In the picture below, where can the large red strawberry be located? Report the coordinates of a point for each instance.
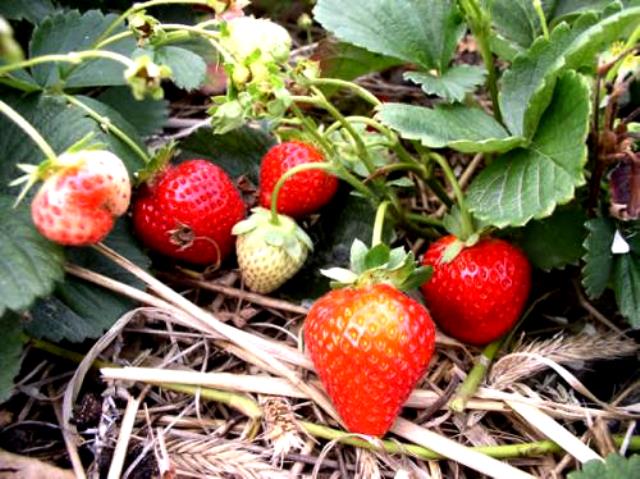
(187, 212)
(78, 203)
(370, 343)
(305, 192)
(479, 295)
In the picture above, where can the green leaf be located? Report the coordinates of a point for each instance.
(453, 84)
(147, 116)
(10, 352)
(188, 70)
(528, 85)
(529, 182)
(598, 259)
(33, 11)
(61, 125)
(30, 264)
(239, 151)
(555, 242)
(615, 467)
(70, 31)
(455, 126)
(570, 8)
(425, 33)
(626, 286)
(80, 310)
(517, 20)
(346, 61)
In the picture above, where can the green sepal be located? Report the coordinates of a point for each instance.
(285, 233)
(159, 161)
(379, 264)
(456, 247)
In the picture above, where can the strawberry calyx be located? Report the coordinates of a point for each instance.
(379, 264)
(285, 233)
(159, 162)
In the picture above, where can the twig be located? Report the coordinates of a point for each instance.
(126, 428)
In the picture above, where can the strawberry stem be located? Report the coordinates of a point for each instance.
(71, 57)
(142, 6)
(29, 130)
(537, 6)
(328, 167)
(106, 123)
(363, 93)
(471, 383)
(467, 221)
(378, 225)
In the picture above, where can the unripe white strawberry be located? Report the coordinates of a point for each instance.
(270, 253)
(246, 35)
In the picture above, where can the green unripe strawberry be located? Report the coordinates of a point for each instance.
(270, 253)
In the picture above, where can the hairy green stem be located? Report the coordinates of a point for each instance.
(537, 6)
(328, 167)
(311, 130)
(479, 21)
(363, 93)
(29, 130)
(467, 222)
(142, 6)
(424, 219)
(471, 383)
(71, 57)
(108, 125)
(378, 224)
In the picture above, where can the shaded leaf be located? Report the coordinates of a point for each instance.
(615, 467)
(147, 116)
(239, 151)
(569, 8)
(33, 11)
(10, 352)
(333, 236)
(188, 70)
(453, 84)
(529, 182)
(555, 242)
(626, 286)
(62, 126)
(455, 126)
(70, 31)
(598, 259)
(527, 86)
(517, 20)
(346, 61)
(30, 264)
(80, 310)
(425, 33)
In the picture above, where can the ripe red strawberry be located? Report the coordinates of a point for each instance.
(480, 294)
(305, 192)
(187, 212)
(370, 345)
(78, 203)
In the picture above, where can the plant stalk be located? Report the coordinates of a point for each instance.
(71, 57)
(108, 125)
(328, 167)
(471, 383)
(378, 225)
(29, 130)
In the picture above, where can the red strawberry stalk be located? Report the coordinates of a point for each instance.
(369, 342)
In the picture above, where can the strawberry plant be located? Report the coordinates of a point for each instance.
(503, 153)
